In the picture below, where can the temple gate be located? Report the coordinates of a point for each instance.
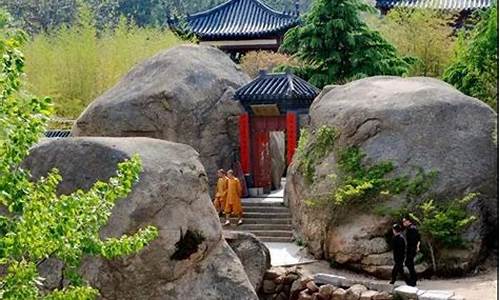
(273, 102)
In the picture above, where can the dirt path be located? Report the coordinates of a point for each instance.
(482, 286)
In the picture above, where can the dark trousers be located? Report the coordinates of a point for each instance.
(398, 269)
(410, 264)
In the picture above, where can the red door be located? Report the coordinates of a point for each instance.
(261, 163)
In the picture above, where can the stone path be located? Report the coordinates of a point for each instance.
(269, 219)
(288, 254)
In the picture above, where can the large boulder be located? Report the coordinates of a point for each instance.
(182, 95)
(277, 151)
(414, 123)
(253, 254)
(172, 195)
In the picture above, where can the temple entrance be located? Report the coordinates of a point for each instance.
(255, 146)
(273, 103)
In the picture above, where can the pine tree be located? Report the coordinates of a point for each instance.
(336, 45)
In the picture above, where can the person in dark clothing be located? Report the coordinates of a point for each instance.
(398, 249)
(412, 247)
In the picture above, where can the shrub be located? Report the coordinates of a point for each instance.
(76, 64)
(424, 34)
(255, 61)
(445, 222)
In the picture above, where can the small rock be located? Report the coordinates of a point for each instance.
(268, 287)
(326, 290)
(382, 296)
(304, 295)
(273, 273)
(354, 292)
(406, 292)
(436, 295)
(318, 296)
(312, 286)
(295, 289)
(367, 295)
(334, 280)
(282, 296)
(279, 280)
(289, 278)
(306, 279)
(270, 297)
(339, 294)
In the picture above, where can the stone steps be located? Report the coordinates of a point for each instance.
(282, 221)
(264, 227)
(267, 218)
(266, 209)
(261, 215)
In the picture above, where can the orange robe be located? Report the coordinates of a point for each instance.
(221, 194)
(233, 200)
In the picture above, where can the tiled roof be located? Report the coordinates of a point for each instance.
(241, 18)
(436, 4)
(285, 89)
(57, 133)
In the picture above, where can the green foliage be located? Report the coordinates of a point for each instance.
(37, 223)
(77, 64)
(424, 34)
(444, 223)
(37, 16)
(335, 45)
(474, 70)
(309, 154)
(359, 183)
(355, 182)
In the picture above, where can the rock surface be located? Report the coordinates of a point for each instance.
(182, 95)
(414, 123)
(172, 195)
(277, 151)
(253, 254)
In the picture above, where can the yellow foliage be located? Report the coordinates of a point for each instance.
(424, 34)
(75, 65)
(255, 61)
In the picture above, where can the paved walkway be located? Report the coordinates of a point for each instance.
(288, 254)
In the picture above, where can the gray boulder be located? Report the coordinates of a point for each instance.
(172, 195)
(253, 254)
(277, 151)
(181, 95)
(414, 123)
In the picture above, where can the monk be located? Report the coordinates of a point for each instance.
(233, 200)
(220, 192)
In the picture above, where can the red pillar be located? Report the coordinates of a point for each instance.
(291, 132)
(245, 142)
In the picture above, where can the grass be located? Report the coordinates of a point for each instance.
(76, 64)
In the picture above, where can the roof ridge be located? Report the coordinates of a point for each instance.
(229, 2)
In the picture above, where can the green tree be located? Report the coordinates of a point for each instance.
(35, 16)
(424, 34)
(36, 223)
(336, 45)
(474, 70)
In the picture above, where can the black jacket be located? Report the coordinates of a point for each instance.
(412, 239)
(398, 248)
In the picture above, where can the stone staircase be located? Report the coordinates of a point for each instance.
(267, 218)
